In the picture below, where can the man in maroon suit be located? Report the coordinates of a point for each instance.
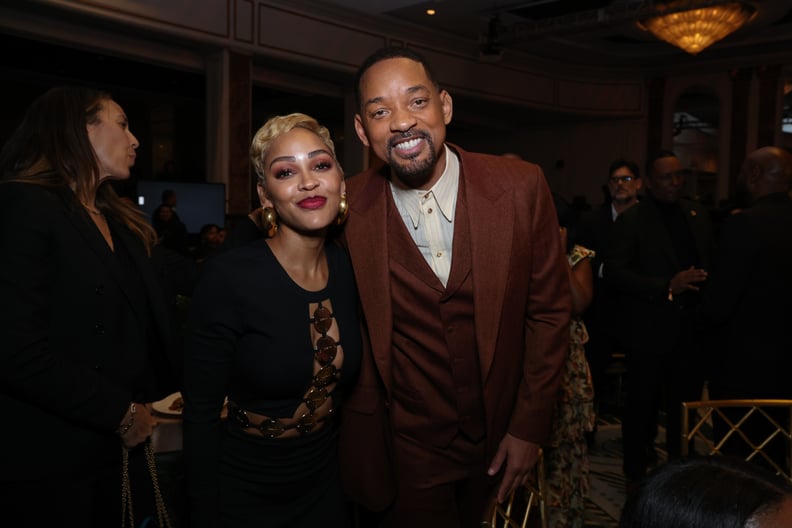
(466, 300)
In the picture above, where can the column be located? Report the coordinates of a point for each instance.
(741, 90)
(654, 119)
(228, 120)
(771, 95)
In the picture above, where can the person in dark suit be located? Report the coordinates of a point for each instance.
(741, 307)
(604, 318)
(465, 294)
(208, 242)
(656, 261)
(83, 323)
(172, 232)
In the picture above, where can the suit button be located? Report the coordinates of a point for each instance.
(99, 329)
(97, 367)
(100, 289)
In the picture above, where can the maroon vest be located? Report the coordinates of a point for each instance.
(437, 389)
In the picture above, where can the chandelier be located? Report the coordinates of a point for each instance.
(695, 25)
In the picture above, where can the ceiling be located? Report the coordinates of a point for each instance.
(585, 32)
(600, 34)
(567, 34)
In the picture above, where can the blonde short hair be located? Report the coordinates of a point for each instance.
(277, 126)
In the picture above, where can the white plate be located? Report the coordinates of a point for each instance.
(164, 405)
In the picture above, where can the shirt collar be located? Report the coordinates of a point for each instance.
(443, 192)
(615, 213)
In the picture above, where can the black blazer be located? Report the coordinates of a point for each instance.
(604, 313)
(747, 305)
(78, 340)
(594, 230)
(639, 264)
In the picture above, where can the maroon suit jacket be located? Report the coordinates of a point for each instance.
(522, 309)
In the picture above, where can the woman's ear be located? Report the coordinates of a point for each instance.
(262, 194)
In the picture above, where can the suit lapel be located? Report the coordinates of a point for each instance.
(154, 293)
(490, 249)
(661, 236)
(367, 228)
(95, 241)
(698, 227)
(93, 238)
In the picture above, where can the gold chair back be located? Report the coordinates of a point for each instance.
(521, 506)
(700, 433)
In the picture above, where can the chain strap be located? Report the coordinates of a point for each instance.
(126, 491)
(127, 514)
(163, 520)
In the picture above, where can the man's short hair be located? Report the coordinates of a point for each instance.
(390, 52)
(664, 153)
(630, 165)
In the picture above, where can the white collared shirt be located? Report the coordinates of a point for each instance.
(429, 216)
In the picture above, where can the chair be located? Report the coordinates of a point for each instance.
(715, 426)
(516, 511)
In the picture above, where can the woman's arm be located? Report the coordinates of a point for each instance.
(581, 284)
(581, 276)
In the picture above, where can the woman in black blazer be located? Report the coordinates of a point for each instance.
(82, 319)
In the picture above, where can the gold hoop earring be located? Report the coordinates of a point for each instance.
(343, 210)
(269, 221)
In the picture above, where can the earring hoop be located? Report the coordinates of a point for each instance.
(343, 210)
(269, 221)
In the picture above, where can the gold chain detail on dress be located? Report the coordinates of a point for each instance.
(325, 351)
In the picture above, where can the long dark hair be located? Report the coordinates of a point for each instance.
(51, 147)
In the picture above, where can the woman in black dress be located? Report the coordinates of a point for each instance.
(274, 328)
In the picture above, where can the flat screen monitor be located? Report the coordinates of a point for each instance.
(197, 204)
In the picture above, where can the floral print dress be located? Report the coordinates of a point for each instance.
(566, 454)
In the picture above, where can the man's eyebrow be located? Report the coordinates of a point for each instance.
(417, 88)
(374, 100)
(411, 90)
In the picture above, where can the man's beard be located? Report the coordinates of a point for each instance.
(411, 171)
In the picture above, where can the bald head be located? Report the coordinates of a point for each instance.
(766, 171)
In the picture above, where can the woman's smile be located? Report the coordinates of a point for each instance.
(313, 202)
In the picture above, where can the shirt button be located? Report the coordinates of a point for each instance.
(439, 254)
(430, 210)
